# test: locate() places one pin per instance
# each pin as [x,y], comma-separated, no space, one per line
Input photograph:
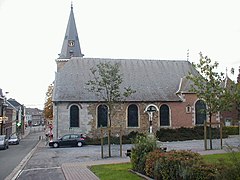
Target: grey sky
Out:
[32,33]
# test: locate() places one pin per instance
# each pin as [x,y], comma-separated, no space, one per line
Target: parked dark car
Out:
[13,139]
[3,142]
[68,140]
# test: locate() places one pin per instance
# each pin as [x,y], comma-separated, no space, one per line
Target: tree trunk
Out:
[210,129]
[109,133]
[109,141]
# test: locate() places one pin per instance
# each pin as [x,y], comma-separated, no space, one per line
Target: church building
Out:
[159,84]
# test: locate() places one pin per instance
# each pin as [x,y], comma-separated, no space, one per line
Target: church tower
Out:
[71,46]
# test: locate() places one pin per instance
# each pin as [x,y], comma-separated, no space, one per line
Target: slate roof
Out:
[153,80]
[33,111]
[15,103]
[71,35]
[185,85]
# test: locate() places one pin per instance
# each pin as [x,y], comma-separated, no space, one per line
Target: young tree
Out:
[48,106]
[236,92]
[106,84]
[209,86]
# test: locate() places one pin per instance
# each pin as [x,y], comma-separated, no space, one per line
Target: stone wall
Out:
[179,117]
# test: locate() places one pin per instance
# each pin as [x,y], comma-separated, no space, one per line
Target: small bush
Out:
[92,141]
[183,134]
[178,165]
[142,146]
[151,159]
[202,171]
[231,130]
[126,139]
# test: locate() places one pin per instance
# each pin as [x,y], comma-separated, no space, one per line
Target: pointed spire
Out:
[71,46]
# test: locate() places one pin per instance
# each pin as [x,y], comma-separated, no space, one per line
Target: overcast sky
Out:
[32,32]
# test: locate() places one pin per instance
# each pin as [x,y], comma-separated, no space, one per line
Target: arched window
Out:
[102,116]
[164,116]
[132,116]
[74,116]
[200,112]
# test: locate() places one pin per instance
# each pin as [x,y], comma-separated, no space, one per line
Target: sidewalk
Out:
[73,171]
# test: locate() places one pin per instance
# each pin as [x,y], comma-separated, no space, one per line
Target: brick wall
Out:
[232,115]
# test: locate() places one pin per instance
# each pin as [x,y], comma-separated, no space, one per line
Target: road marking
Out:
[33,169]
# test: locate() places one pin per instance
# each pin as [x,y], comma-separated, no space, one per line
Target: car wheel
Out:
[55,145]
[79,144]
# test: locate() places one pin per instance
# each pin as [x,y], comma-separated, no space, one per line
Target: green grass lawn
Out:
[121,171]
[213,158]
[115,171]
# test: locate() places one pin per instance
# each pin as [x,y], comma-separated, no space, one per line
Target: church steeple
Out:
[71,46]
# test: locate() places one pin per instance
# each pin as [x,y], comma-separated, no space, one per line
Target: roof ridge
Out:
[132,59]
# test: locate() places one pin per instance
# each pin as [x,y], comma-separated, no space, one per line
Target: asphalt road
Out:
[11,157]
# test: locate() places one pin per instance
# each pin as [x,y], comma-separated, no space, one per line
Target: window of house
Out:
[74,116]
[188,109]
[164,116]
[132,116]
[102,118]
[200,112]
[228,121]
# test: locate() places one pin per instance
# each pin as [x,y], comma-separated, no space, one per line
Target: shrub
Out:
[131,137]
[182,134]
[202,171]
[142,146]
[178,165]
[126,139]
[231,130]
[151,159]
[92,141]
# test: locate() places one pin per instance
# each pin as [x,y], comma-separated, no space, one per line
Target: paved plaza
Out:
[72,163]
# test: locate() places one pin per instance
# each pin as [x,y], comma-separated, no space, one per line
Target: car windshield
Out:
[66,137]
[13,137]
[1,138]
